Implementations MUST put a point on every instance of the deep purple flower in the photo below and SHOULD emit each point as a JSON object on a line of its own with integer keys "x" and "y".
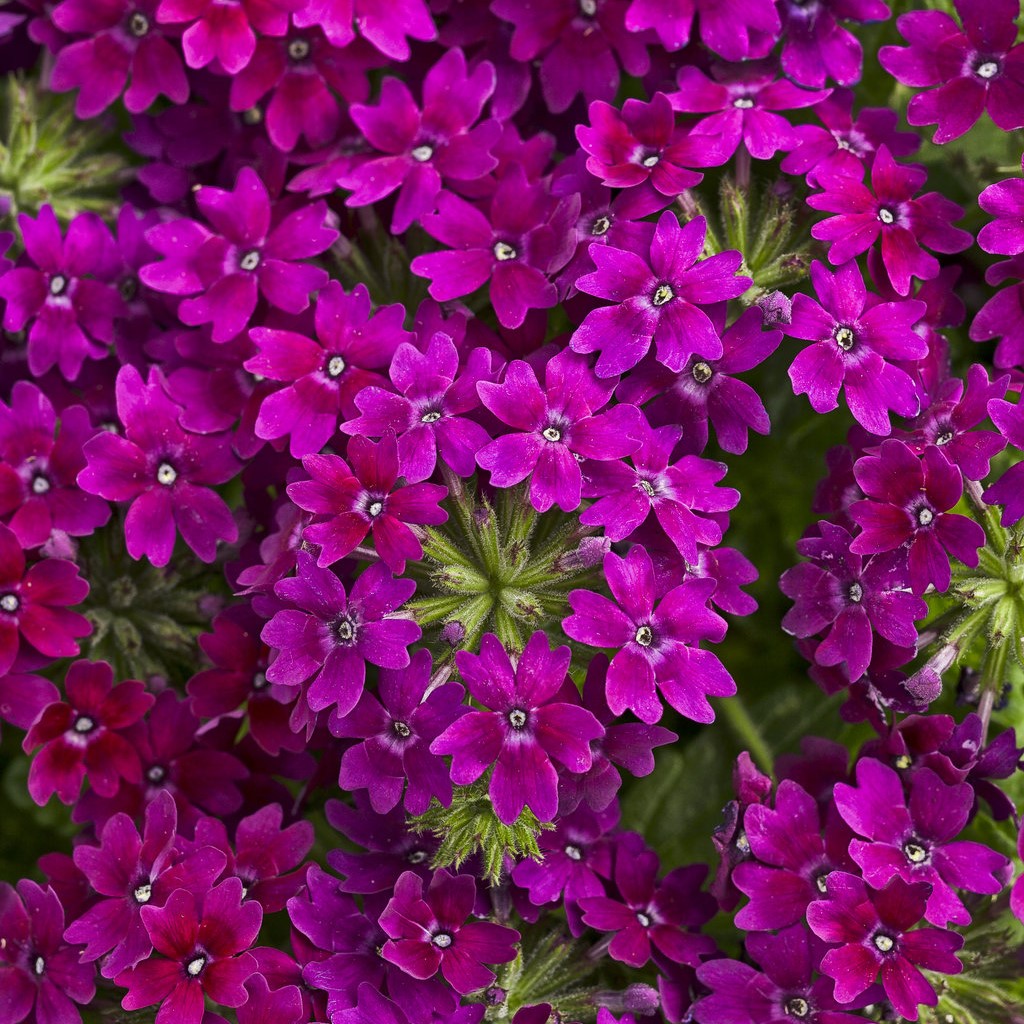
{"x": 872, "y": 932}
{"x": 840, "y": 595}
{"x": 521, "y": 731}
{"x": 657, "y": 645}
{"x": 249, "y": 252}
{"x": 397, "y": 731}
{"x": 1005, "y": 201}
{"x": 1008, "y": 490}
{"x": 429, "y": 415}
{"x": 577, "y": 45}
{"x": 1017, "y": 893}
{"x": 38, "y": 969}
{"x": 34, "y": 604}
{"x": 122, "y": 39}
{"x": 430, "y": 932}
{"x": 81, "y": 737}
{"x": 657, "y": 299}
{"x": 816, "y": 47}
{"x": 740, "y": 103}
{"x": 326, "y": 638}
{"x": 373, "y": 1007}
{"x": 888, "y": 209}
{"x": 908, "y": 502}
{"x": 422, "y": 149}
{"x": 784, "y": 991}
{"x": 223, "y": 32}
{"x": 364, "y": 499}
{"x": 64, "y": 287}
{"x": 38, "y": 473}
{"x": 975, "y": 68}
{"x": 204, "y": 942}
{"x": 387, "y": 28}
{"x": 553, "y": 427}
{"x": 677, "y": 493}
{"x": 651, "y": 913}
{"x": 853, "y": 347}
{"x": 525, "y": 236}
{"x": 641, "y": 144}
{"x": 1003, "y": 315}
{"x": 163, "y": 470}
{"x": 731, "y": 28}
{"x": 914, "y": 838}
{"x": 325, "y": 373}
{"x": 130, "y": 872}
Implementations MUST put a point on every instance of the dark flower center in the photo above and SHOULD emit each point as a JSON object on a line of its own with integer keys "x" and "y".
{"x": 401, "y": 729}
{"x": 662, "y": 294}
{"x": 39, "y": 966}
{"x": 40, "y": 485}
{"x": 421, "y": 154}
{"x": 644, "y": 636}
{"x": 644, "y": 919}
{"x": 701, "y": 372}
{"x": 58, "y": 284}
{"x": 345, "y": 630}
{"x": 430, "y": 417}
{"x": 844, "y": 338}
{"x": 517, "y": 718}
{"x": 797, "y": 1006}
{"x": 250, "y": 260}
{"x": 856, "y": 593}
{"x": 335, "y": 366}
{"x": 600, "y": 226}
{"x": 886, "y": 216}
{"x": 743, "y": 103}
{"x": 259, "y": 681}
{"x": 84, "y": 724}
{"x": 915, "y": 852}
{"x": 138, "y": 25}
{"x": 925, "y": 516}
{"x": 298, "y": 49}
{"x": 552, "y": 434}
{"x": 143, "y": 893}
{"x": 647, "y": 487}
{"x": 503, "y": 251}
{"x": 156, "y": 774}
{"x": 9, "y": 603}
{"x": 884, "y": 943}
{"x": 252, "y": 117}
{"x": 986, "y": 68}
{"x": 573, "y": 852}
{"x": 195, "y": 966}
{"x": 166, "y": 474}
{"x": 944, "y": 438}
{"x": 442, "y": 940}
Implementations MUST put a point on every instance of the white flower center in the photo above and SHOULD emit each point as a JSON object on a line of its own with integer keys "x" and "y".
{"x": 401, "y": 729}
{"x": 743, "y": 103}
{"x": 374, "y": 509}
{"x": 915, "y": 852}
{"x": 650, "y": 161}
{"x": 644, "y": 919}
{"x": 138, "y": 25}
{"x": 822, "y": 882}
{"x": 503, "y": 251}
{"x": 797, "y": 1007}
{"x": 600, "y": 226}
{"x": 944, "y": 438}
{"x": 588, "y": 8}
{"x": 166, "y": 474}
{"x": 430, "y": 417}
{"x": 903, "y": 762}
{"x": 143, "y": 893}
{"x": 644, "y": 636}
{"x": 250, "y": 261}
{"x": 845, "y": 338}
{"x": 701, "y": 372}
{"x": 573, "y": 852}
{"x": 298, "y": 49}
{"x": 442, "y": 940}
{"x": 156, "y": 774}
{"x": 987, "y": 69}
{"x": 886, "y": 215}
{"x": 9, "y": 603}
{"x": 417, "y": 857}
{"x": 421, "y": 154}
{"x": 517, "y": 718}
{"x": 856, "y": 593}
{"x": 344, "y": 630}
{"x": 39, "y": 966}
{"x": 647, "y": 487}
{"x": 883, "y": 943}
{"x": 195, "y": 966}
{"x": 259, "y": 681}
{"x": 57, "y": 284}
{"x": 662, "y": 294}
{"x": 84, "y": 724}
{"x": 552, "y": 434}
{"x": 40, "y": 485}
{"x": 925, "y": 516}
{"x": 335, "y": 366}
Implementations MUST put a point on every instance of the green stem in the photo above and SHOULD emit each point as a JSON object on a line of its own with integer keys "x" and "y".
{"x": 746, "y": 731}
{"x": 993, "y": 674}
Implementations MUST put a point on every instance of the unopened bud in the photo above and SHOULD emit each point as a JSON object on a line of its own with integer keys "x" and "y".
{"x": 638, "y": 998}
{"x": 776, "y": 307}
{"x": 591, "y": 552}
{"x": 453, "y": 633}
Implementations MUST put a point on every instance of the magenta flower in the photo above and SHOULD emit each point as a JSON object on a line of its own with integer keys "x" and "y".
{"x": 325, "y": 373}
{"x": 38, "y": 970}
{"x": 908, "y": 502}
{"x": 525, "y": 236}
{"x": 34, "y": 604}
{"x": 657, "y": 644}
{"x": 1003, "y": 315}
{"x": 429, "y": 415}
{"x": 423, "y": 149}
{"x": 913, "y": 838}
{"x": 397, "y": 731}
{"x": 1005, "y": 201}
{"x": 387, "y": 28}
{"x": 552, "y": 427}
{"x": 246, "y": 255}
{"x": 731, "y": 28}
{"x": 224, "y": 31}
{"x": 429, "y": 932}
{"x": 1008, "y": 490}
{"x": 326, "y": 638}
{"x": 363, "y": 499}
{"x": 657, "y": 299}
{"x": 676, "y": 492}
{"x": 122, "y": 40}
{"x": 853, "y": 346}
{"x": 641, "y": 144}
{"x": 651, "y": 913}
{"x": 130, "y": 872}
{"x": 872, "y": 933}
{"x": 164, "y": 471}
{"x": 64, "y": 288}
{"x": 203, "y": 940}
{"x": 81, "y": 737}
{"x": 740, "y": 103}
{"x": 521, "y": 730}
{"x": 976, "y": 68}
{"x": 888, "y": 210}
{"x": 38, "y": 473}
{"x": 848, "y": 600}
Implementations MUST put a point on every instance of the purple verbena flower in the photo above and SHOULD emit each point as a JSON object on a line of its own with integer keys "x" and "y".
{"x": 387, "y": 28}
{"x": 1008, "y": 490}
{"x": 731, "y": 28}
{"x": 521, "y": 730}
